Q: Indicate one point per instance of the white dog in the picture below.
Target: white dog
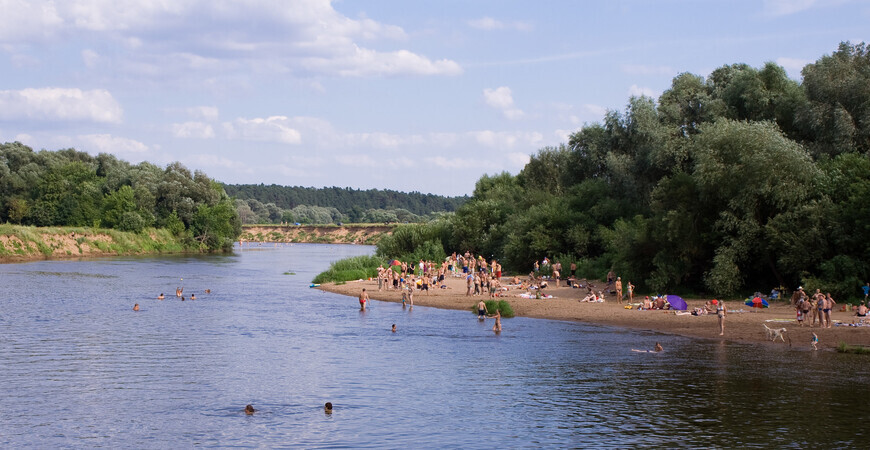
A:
(773, 333)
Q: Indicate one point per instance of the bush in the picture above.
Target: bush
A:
(492, 305)
(355, 268)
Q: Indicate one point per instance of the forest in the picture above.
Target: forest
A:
(740, 181)
(259, 203)
(73, 188)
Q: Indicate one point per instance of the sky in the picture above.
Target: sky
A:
(423, 96)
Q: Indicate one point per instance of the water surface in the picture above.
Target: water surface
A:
(79, 368)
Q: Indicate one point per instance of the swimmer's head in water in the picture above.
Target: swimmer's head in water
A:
(249, 409)
(328, 406)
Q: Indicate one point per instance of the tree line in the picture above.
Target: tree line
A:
(73, 188)
(259, 203)
(739, 181)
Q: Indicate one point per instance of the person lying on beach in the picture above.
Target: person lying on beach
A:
(249, 410)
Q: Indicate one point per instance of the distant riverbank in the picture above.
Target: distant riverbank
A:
(24, 243)
(364, 234)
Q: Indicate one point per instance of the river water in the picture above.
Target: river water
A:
(79, 368)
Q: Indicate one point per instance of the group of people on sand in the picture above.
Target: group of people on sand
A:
(815, 307)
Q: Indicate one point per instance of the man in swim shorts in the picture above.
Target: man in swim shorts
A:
(363, 298)
(481, 310)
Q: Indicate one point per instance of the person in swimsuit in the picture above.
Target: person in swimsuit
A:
(862, 310)
(658, 348)
(394, 328)
(481, 310)
(829, 305)
(815, 341)
(249, 410)
(497, 326)
(363, 299)
(193, 296)
(820, 308)
(136, 307)
(160, 297)
(720, 311)
(327, 408)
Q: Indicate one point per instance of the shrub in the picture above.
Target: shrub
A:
(501, 305)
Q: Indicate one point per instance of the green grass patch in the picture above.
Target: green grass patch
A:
(492, 305)
(289, 273)
(854, 349)
(355, 268)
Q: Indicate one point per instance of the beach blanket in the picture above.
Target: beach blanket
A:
(526, 295)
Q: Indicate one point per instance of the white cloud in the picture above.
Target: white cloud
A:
(507, 139)
(203, 112)
(640, 69)
(218, 161)
(60, 104)
(518, 160)
(271, 129)
(90, 58)
(106, 143)
(298, 37)
(197, 130)
(786, 7)
(793, 65)
(490, 24)
(502, 98)
(637, 91)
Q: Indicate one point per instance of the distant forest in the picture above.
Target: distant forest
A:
(259, 203)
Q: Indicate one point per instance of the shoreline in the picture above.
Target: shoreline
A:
(745, 326)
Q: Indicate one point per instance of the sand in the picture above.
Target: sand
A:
(742, 324)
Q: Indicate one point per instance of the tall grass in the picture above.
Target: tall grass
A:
(39, 240)
(492, 305)
(355, 268)
(856, 349)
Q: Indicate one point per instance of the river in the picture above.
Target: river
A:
(79, 368)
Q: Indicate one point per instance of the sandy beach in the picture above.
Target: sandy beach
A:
(741, 324)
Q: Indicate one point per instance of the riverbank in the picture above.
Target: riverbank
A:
(741, 324)
(362, 234)
(23, 243)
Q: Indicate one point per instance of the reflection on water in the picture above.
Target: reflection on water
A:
(79, 368)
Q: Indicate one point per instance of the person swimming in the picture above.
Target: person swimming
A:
(208, 291)
(249, 410)
(394, 328)
(178, 291)
(136, 307)
(160, 297)
(193, 296)
(327, 408)
(658, 348)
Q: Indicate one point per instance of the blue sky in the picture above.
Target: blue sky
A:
(387, 94)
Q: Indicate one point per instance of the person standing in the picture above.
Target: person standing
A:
(481, 310)
(829, 305)
(363, 299)
(720, 312)
(618, 287)
(630, 292)
(573, 269)
(819, 310)
(497, 326)
(866, 289)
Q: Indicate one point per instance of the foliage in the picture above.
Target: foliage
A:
(258, 203)
(500, 305)
(348, 269)
(72, 188)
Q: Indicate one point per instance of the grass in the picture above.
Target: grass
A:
(355, 268)
(501, 305)
(46, 241)
(855, 349)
